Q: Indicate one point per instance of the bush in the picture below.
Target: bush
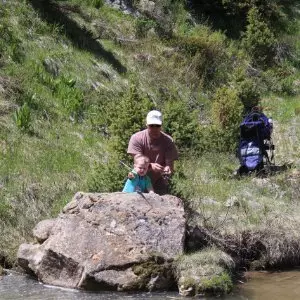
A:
(10, 45)
(282, 80)
(226, 117)
(70, 96)
(22, 118)
(258, 40)
(181, 124)
(125, 118)
(142, 26)
(108, 176)
(96, 3)
(248, 93)
(230, 15)
(226, 108)
(206, 52)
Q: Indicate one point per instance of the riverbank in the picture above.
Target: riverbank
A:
(257, 285)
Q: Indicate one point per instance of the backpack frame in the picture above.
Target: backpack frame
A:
(256, 148)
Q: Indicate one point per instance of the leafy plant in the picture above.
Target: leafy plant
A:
(181, 124)
(10, 44)
(70, 96)
(127, 117)
(207, 56)
(258, 40)
(107, 176)
(142, 26)
(22, 118)
(226, 116)
(227, 108)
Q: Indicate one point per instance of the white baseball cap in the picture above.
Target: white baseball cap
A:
(154, 117)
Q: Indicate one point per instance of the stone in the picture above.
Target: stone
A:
(109, 241)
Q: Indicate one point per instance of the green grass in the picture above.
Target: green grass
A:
(204, 272)
(282, 109)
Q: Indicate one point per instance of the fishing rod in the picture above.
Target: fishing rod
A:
(123, 164)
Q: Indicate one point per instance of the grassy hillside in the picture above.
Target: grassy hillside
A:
(76, 80)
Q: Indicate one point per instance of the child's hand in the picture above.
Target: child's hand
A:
(130, 175)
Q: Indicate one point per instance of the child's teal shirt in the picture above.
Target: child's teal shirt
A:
(137, 184)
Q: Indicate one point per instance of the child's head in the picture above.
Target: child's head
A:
(141, 164)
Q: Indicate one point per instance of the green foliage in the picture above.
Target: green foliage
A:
(282, 80)
(127, 116)
(226, 116)
(108, 176)
(226, 108)
(5, 212)
(164, 13)
(10, 44)
(181, 124)
(22, 118)
(258, 40)
(218, 284)
(72, 97)
(205, 50)
(248, 93)
(142, 26)
(231, 15)
(93, 3)
(64, 89)
(123, 117)
(96, 3)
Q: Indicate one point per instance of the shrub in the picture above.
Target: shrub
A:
(226, 116)
(248, 93)
(205, 50)
(226, 108)
(230, 15)
(181, 124)
(142, 26)
(125, 118)
(282, 80)
(108, 176)
(10, 44)
(70, 96)
(258, 40)
(22, 118)
(96, 3)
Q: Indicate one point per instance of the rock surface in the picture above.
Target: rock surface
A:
(116, 241)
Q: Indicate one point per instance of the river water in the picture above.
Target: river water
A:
(258, 286)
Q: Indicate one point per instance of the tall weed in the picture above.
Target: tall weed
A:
(22, 118)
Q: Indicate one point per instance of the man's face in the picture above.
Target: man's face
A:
(154, 131)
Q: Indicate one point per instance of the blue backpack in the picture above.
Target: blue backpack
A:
(255, 129)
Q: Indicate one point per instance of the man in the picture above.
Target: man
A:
(160, 149)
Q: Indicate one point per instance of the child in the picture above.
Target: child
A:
(137, 180)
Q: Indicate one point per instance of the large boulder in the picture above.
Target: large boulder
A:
(112, 241)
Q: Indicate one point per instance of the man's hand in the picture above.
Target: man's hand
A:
(157, 168)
